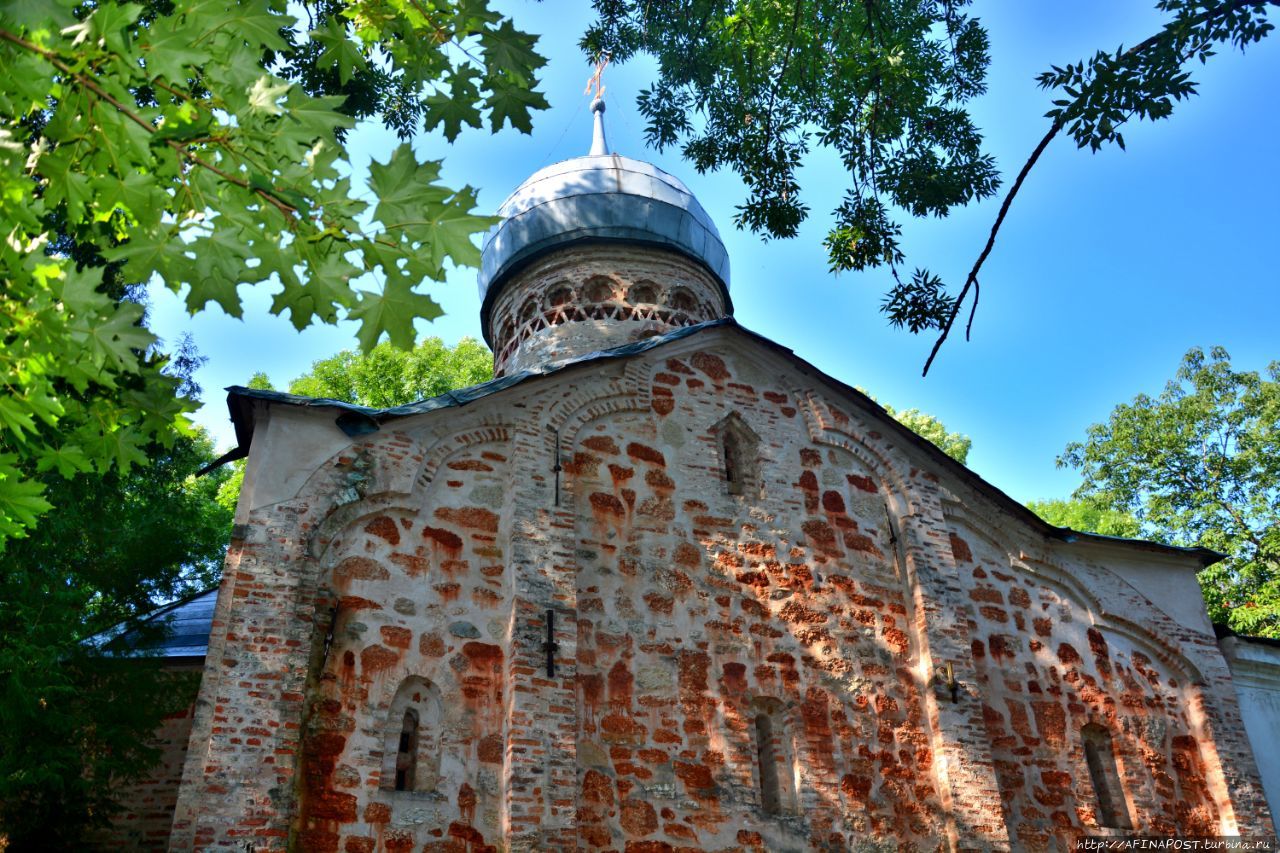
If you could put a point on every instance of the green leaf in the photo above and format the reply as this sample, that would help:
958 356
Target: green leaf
119 448
144 254
508 50
171 48
67 459
114 338
450 228
21 501
392 312
328 287
339 49
15 418
249 20
440 108
403 186
308 118
512 103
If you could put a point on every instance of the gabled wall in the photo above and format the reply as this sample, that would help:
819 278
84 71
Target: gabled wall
838 650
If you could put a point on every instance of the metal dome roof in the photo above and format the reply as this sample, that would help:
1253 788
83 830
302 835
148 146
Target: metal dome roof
598 197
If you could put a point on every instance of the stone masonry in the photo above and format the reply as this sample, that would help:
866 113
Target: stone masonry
688 594
429 556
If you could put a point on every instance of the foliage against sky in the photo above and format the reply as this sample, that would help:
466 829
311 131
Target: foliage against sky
387 376
953 444
1087 516
161 143
755 86
1200 465
384 377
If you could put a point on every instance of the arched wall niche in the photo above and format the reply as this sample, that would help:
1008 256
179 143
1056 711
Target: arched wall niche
486 432
1068 582
382 463
740 456
347 517
831 426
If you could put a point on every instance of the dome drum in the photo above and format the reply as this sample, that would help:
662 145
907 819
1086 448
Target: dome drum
606 212
600 295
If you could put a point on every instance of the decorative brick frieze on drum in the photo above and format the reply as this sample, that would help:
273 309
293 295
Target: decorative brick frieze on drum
586 298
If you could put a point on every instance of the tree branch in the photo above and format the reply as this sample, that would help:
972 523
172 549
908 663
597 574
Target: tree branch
1058 123
89 83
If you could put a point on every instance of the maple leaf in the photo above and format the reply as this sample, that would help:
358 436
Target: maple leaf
172 47
404 187
509 50
114 338
263 96
21 501
328 287
511 102
449 231
67 459
250 21
393 311
453 112
339 49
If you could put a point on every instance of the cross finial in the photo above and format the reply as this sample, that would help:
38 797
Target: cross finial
599 145
594 82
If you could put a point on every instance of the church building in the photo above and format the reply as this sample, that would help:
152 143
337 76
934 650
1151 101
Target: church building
661 585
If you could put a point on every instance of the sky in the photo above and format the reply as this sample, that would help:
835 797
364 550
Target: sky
1109 267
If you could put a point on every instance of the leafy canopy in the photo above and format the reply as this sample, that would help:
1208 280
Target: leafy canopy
884 85
755 85
1200 465
927 426
1087 516
162 141
74 722
386 376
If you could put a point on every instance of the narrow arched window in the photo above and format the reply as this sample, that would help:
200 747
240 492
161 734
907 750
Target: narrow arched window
1105 776
739 456
766 753
407 753
733 465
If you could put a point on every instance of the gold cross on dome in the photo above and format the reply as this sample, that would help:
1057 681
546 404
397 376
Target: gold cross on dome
594 82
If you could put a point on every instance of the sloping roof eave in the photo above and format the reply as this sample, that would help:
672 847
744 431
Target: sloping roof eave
356 420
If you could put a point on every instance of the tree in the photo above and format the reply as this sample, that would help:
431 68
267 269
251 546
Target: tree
1087 516
387 376
927 426
884 85
161 142
74 717
1200 465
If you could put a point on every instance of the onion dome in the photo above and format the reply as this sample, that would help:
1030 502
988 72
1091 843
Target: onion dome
589 203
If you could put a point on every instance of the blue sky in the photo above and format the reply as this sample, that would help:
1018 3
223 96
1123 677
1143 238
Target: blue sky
1109 267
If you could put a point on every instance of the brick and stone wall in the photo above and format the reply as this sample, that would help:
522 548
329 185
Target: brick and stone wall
146 819
1255 672
841 645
